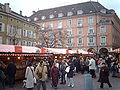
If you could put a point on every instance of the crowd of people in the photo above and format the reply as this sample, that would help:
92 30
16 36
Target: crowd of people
7 75
60 71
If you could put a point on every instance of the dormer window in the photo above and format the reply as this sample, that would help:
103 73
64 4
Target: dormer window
43 17
79 12
28 19
35 19
69 13
60 15
103 10
51 16
91 11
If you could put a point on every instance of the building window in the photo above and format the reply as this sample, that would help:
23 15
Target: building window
51 16
103 28
80 21
80 30
11 19
30 43
19 32
69 23
11 30
2 27
13 41
34 35
90 20
25 33
0 40
10 41
91 41
35 19
69 40
69 13
79 12
69 33
60 15
42 26
103 40
24 43
51 24
1 16
28 19
43 17
79 40
59 24
90 30
29 34
103 10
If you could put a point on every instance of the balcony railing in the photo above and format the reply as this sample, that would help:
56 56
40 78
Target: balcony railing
91 44
80 44
70 45
103 44
91 34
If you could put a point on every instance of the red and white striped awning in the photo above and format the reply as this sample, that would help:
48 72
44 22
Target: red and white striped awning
19 49
63 51
115 50
7 48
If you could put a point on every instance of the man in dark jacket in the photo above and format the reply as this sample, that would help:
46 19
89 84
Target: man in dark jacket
70 74
104 76
2 77
11 71
62 70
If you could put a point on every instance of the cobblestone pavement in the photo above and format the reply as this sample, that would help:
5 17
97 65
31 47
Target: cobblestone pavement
79 84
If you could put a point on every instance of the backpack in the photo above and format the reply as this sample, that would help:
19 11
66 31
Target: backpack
2 75
98 62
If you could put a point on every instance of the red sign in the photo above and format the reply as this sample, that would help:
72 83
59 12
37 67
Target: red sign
67 51
18 49
43 50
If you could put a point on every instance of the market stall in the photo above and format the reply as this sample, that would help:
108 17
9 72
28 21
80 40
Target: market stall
20 55
116 52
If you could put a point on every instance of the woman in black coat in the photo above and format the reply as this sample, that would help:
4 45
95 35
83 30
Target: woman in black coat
104 76
70 75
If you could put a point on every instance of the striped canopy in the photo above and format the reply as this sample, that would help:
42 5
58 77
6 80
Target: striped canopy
115 50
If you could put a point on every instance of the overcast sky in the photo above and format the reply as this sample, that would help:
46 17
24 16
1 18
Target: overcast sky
27 6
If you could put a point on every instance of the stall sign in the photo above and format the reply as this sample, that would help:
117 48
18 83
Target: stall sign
18 49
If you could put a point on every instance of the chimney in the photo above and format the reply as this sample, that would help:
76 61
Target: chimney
7 8
20 12
33 12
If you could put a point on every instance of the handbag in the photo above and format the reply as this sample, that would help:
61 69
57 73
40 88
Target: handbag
39 74
67 69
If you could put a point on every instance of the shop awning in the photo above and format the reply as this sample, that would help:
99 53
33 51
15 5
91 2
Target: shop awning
63 51
115 50
19 49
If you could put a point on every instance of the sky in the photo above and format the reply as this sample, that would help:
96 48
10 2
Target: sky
27 6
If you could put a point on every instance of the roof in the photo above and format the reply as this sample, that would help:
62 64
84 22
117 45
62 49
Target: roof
87 8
